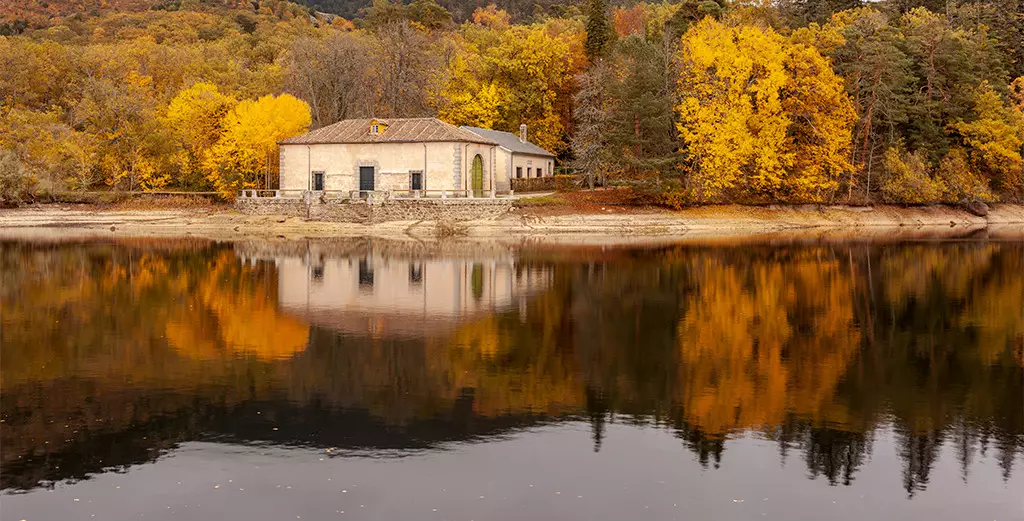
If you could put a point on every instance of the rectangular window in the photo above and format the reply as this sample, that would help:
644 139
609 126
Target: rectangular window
318 181
318 274
365 274
527 172
415 180
415 273
366 182
519 172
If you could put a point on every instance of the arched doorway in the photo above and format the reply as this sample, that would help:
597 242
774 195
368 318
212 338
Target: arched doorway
477 176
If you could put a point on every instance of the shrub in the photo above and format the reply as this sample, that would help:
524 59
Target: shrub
17 186
907 180
447 229
962 184
565 183
246 22
677 197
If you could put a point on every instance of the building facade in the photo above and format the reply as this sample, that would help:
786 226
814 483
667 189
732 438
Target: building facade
516 157
409 154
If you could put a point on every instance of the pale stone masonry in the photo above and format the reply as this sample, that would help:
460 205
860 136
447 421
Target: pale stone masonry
370 212
409 154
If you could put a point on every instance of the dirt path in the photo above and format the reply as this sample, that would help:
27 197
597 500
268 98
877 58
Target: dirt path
547 225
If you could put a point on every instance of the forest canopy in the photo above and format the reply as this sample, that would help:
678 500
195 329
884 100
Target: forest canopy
694 102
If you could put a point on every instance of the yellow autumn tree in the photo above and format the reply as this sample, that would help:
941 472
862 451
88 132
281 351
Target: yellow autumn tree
536 67
821 125
246 149
195 117
503 77
995 138
466 100
760 114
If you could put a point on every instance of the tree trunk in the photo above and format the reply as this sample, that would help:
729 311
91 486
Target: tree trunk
636 132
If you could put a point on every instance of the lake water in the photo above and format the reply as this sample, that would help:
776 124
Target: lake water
353 379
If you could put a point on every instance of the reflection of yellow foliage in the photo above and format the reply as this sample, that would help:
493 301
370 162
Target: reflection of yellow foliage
191 340
479 335
254 326
744 364
237 320
547 385
993 304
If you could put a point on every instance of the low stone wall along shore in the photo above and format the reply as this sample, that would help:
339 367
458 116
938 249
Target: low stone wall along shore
370 212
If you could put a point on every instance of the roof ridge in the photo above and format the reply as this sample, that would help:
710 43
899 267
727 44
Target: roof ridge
419 129
509 141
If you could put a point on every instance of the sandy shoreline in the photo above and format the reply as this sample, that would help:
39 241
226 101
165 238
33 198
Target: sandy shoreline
611 225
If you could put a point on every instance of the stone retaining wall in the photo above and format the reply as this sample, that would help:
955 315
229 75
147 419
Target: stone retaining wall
359 211
268 206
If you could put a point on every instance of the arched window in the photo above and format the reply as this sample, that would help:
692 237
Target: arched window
477 176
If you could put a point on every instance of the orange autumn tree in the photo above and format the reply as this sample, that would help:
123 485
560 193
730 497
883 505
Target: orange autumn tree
760 116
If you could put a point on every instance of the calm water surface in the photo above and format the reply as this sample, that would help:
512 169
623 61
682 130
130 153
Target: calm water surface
185 379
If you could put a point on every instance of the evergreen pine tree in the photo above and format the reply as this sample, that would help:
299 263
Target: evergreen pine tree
599 30
641 128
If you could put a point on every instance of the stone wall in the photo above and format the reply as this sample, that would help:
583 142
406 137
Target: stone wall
359 211
253 206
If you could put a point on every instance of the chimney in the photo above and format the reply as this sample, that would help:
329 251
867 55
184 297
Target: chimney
522 133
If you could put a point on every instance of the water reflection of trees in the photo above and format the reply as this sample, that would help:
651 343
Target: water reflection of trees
813 347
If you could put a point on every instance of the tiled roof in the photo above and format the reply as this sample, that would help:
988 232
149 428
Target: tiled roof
509 141
398 130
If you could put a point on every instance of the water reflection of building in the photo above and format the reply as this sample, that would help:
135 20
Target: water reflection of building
401 296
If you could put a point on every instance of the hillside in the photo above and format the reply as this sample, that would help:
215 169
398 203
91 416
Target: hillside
876 104
16 16
40 12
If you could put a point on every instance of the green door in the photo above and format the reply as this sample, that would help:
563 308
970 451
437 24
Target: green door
477 176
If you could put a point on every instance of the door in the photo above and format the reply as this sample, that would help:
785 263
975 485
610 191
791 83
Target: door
477 176
318 181
366 178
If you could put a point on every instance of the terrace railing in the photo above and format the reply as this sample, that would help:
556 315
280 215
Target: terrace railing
271 194
370 196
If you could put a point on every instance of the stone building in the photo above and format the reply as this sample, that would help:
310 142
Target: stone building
409 154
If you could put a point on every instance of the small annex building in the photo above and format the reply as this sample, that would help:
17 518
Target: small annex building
409 154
